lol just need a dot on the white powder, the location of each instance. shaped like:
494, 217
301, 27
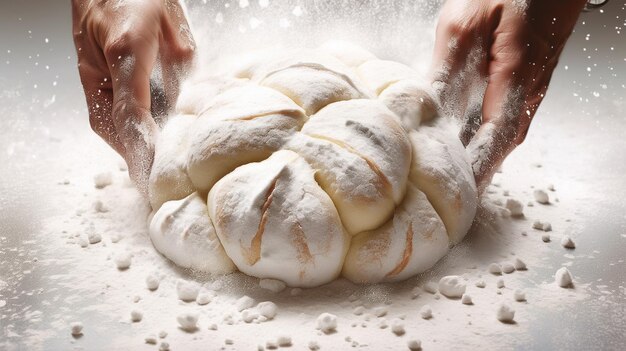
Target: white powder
466, 299
165, 346
151, 339
426, 312
495, 268
99, 207
519, 265
187, 291
500, 283
414, 344
452, 286
545, 238
212, 326
102, 180
267, 309
480, 284
188, 321
563, 278
136, 316
545, 226
430, 287
397, 327
284, 341
380, 311
76, 328
272, 285
508, 268
152, 281
505, 314
203, 298
541, 196
359, 310
123, 260
567, 242
314, 346
519, 295
93, 237
249, 315
515, 207
162, 334
327, 322
244, 302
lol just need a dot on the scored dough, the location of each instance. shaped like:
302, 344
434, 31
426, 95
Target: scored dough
410, 243
301, 165
369, 130
275, 222
242, 125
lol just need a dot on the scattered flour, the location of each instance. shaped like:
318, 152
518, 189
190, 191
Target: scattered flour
567, 242
452, 286
545, 238
284, 341
519, 295
187, 291
327, 322
76, 328
495, 268
272, 285
500, 283
563, 278
505, 314
397, 327
466, 299
152, 281
414, 345
203, 298
430, 287
123, 260
244, 303
508, 268
136, 316
188, 321
267, 309
480, 284
541, 196
151, 339
102, 180
426, 312
515, 207
519, 265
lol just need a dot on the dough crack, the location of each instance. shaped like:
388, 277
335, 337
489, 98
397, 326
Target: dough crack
254, 252
406, 256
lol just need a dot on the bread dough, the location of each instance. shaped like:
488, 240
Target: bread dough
182, 231
312, 163
276, 222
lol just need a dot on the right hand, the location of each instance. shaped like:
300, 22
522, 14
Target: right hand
119, 44
510, 48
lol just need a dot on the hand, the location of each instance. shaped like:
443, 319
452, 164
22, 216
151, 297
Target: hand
119, 44
507, 50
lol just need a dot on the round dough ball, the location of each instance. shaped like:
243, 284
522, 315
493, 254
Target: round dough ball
168, 178
275, 222
182, 231
410, 243
360, 192
412, 101
441, 169
242, 125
